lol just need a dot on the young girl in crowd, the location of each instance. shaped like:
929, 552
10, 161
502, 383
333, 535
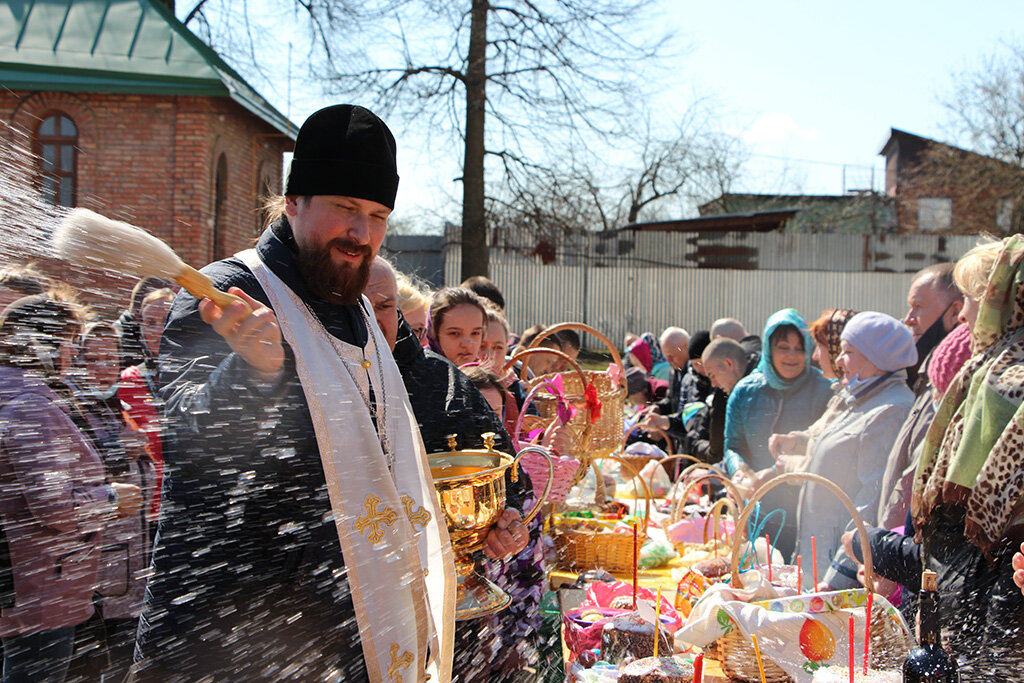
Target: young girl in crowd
458, 321
495, 343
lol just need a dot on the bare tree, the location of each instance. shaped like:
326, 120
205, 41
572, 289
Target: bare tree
505, 78
657, 177
986, 116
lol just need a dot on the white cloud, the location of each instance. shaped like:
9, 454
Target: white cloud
778, 127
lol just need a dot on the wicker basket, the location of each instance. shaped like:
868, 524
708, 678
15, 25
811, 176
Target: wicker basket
584, 548
637, 462
606, 434
579, 428
889, 644
677, 497
565, 469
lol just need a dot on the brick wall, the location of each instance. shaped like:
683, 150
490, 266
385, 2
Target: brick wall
151, 160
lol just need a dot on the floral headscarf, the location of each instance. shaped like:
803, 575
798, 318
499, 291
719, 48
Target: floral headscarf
833, 333
972, 451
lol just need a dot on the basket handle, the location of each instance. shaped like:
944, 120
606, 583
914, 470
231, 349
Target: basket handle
636, 475
681, 456
616, 358
659, 432
716, 514
532, 351
585, 436
711, 472
547, 485
741, 524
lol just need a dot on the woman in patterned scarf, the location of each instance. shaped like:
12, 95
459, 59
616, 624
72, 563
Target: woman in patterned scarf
968, 500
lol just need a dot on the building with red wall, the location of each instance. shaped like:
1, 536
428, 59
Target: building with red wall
129, 114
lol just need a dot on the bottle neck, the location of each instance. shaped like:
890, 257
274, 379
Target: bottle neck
928, 614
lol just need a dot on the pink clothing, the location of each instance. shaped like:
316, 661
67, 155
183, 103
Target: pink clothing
53, 504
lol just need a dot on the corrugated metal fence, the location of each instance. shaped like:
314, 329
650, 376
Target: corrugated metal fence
640, 290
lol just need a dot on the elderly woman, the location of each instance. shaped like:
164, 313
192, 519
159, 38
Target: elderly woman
968, 499
783, 394
851, 449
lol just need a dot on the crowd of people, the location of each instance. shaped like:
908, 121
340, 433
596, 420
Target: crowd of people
191, 492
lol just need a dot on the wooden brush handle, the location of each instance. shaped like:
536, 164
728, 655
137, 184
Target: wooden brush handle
199, 286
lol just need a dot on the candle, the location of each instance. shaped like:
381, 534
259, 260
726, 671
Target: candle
634, 564
799, 573
698, 668
851, 650
768, 540
760, 664
814, 563
657, 622
867, 633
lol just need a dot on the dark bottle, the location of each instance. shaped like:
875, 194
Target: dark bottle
929, 663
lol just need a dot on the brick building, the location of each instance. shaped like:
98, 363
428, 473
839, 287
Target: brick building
938, 188
129, 114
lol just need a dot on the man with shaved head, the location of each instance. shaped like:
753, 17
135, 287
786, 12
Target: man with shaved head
731, 328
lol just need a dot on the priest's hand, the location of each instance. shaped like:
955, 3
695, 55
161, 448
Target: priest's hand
508, 537
254, 336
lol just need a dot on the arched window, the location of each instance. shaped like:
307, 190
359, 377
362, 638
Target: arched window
56, 145
220, 207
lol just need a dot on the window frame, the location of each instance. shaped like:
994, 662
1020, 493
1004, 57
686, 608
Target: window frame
59, 141
932, 206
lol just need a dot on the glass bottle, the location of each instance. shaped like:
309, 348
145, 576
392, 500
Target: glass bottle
928, 662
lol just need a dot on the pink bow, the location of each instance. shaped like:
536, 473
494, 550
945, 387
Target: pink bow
566, 411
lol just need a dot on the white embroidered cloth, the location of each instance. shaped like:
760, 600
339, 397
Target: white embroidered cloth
395, 544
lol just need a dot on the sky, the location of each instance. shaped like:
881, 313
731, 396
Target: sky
811, 87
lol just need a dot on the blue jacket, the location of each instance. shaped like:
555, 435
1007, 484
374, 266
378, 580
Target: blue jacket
762, 403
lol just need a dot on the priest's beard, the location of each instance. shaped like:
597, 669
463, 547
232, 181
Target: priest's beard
336, 284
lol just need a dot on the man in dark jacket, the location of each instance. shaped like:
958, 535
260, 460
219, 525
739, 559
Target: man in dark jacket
690, 426
249, 581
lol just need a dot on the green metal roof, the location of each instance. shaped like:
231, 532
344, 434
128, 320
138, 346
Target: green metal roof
127, 46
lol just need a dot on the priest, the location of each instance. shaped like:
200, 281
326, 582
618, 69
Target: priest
299, 537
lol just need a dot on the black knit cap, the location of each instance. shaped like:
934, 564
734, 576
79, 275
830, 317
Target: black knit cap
698, 342
344, 150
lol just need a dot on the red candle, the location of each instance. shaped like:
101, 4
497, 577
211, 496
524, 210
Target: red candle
698, 668
867, 633
768, 540
634, 564
814, 563
799, 574
851, 649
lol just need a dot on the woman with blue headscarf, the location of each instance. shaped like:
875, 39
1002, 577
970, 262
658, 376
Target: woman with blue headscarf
783, 394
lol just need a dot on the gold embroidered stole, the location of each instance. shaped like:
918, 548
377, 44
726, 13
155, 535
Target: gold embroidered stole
394, 542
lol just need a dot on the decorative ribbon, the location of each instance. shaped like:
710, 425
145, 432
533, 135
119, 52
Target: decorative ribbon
565, 410
593, 402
